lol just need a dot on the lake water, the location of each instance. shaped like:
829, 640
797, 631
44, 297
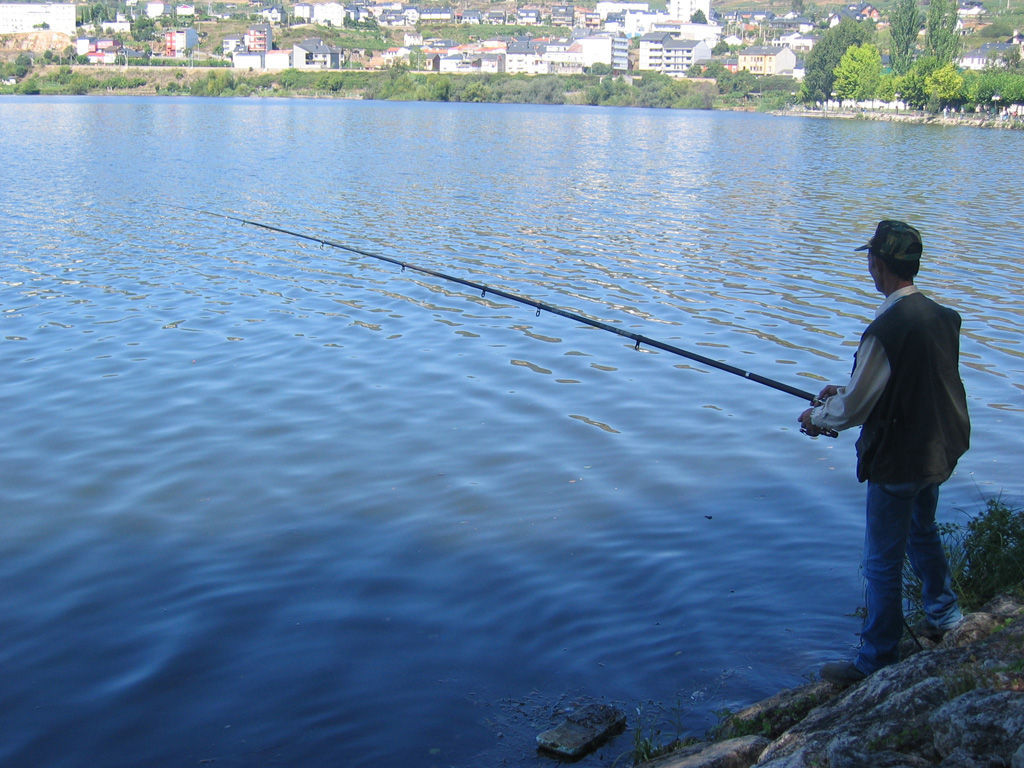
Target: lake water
266, 503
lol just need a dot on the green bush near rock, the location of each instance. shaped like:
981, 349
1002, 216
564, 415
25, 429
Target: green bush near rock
994, 554
986, 557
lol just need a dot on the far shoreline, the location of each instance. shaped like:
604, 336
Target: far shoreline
177, 81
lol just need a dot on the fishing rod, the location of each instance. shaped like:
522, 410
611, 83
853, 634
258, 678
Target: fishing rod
540, 306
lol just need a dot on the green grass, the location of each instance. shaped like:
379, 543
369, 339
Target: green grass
648, 740
986, 557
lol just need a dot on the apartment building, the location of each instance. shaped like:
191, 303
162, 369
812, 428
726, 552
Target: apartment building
662, 52
178, 41
761, 60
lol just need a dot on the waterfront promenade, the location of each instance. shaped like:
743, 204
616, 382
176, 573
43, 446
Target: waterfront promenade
949, 117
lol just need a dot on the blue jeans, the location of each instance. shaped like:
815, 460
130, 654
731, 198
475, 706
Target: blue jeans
900, 523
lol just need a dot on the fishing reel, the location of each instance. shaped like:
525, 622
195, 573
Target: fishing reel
819, 431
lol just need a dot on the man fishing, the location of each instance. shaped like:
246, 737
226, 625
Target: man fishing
906, 393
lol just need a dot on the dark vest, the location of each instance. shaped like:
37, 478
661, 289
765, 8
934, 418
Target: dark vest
919, 427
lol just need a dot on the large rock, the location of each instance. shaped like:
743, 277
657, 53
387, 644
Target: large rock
933, 708
773, 716
958, 705
982, 727
731, 753
888, 712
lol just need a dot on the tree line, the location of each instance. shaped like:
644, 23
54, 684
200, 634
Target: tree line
64, 80
401, 84
846, 64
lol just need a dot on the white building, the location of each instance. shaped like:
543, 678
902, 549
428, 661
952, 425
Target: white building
277, 60
684, 9
106, 56
29, 17
709, 33
246, 60
980, 58
680, 55
528, 16
314, 53
798, 42
115, 27
443, 14
492, 63
636, 24
525, 58
605, 49
661, 52
272, 15
563, 57
329, 14
971, 9
393, 56
232, 44
453, 63
467, 62
605, 8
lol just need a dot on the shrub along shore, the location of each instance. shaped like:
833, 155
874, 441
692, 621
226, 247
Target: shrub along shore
399, 84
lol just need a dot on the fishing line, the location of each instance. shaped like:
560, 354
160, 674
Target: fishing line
637, 338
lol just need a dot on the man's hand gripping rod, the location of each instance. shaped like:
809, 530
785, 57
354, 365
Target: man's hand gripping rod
812, 430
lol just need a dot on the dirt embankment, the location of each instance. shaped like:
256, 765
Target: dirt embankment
12, 45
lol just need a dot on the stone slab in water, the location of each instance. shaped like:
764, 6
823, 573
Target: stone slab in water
583, 730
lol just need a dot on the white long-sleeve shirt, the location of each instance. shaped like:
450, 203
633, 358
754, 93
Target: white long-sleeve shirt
852, 405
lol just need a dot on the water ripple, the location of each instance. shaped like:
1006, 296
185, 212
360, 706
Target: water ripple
263, 500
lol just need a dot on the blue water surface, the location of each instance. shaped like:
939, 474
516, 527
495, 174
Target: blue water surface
266, 502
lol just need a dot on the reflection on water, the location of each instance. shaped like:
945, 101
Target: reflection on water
266, 501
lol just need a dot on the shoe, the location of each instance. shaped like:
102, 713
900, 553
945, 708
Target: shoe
929, 631
841, 673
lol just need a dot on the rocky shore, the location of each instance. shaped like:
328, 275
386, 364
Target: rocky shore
949, 118
955, 704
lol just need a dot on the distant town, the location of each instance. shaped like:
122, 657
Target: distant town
622, 36
686, 38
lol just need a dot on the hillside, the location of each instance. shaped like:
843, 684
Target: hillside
32, 42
